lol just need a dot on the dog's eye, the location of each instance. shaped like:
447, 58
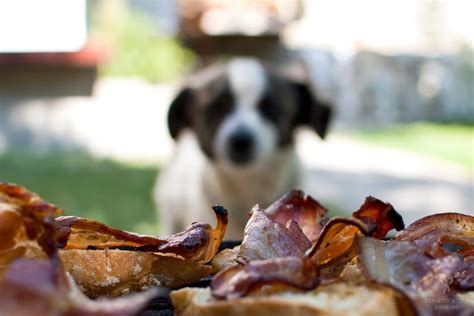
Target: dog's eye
269, 109
218, 108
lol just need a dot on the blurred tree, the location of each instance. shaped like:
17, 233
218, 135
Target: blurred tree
138, 47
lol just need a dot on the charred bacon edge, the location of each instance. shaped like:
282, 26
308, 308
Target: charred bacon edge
359, 224
260, 279
194, 238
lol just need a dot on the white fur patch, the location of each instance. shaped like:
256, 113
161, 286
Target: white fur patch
248, 83
247, 80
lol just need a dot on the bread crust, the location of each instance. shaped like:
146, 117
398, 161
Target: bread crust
117, 272
225, 258
338, 299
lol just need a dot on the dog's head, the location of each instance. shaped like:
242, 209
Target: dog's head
243, 112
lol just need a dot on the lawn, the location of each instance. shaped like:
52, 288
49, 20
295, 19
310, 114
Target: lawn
117, 194
450, 142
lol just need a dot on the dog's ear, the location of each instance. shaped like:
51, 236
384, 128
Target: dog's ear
311, 111
180, 112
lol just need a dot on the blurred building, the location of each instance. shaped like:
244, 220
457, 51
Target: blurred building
378, 61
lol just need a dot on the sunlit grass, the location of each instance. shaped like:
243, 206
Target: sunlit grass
140, 50
116, 194
450, 142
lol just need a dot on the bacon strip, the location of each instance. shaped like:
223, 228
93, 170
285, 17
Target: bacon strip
80, 233
397, 263
380, 214
403, 265
442, 234
238, 281
32, 287
425, 263
286, 228
374, 218
336, 239
26, 225
32, 278
296, 206
198, 242
266, 239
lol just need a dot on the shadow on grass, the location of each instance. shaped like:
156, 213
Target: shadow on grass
111, 192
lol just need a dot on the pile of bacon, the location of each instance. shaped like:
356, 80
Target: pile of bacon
290, 246
33, 277
293, 246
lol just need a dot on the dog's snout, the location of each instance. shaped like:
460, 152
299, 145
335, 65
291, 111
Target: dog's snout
241, 146
241, 141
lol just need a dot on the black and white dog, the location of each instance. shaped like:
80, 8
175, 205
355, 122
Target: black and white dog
234, 126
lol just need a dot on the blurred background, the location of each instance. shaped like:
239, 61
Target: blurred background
85, 87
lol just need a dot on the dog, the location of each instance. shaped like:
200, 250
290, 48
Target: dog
234, 129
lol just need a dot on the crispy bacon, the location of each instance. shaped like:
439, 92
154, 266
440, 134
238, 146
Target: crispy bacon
286, 275
451, 271
442, 234
32, 278
403, 265
286, 228
296, 206
464, 280
26, 225
74, 232
380, 214
198, 242
276, 231
425, 265
397, 263
32, 287
374, 218
238, 281
336, 239
266, 239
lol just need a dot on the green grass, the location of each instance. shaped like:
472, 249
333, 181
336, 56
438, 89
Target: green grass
140, 50
114, 193
450, 142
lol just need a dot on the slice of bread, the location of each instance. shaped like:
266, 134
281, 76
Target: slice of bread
334, 299
117, 272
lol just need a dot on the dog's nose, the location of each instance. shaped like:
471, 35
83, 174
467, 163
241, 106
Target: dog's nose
241, 145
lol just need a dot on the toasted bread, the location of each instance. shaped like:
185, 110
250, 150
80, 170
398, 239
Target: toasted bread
117, 272
334, 299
